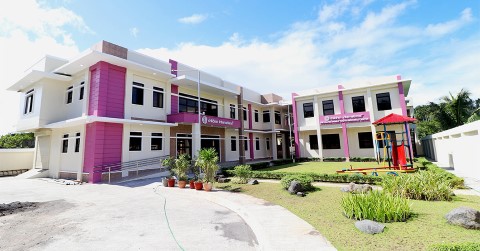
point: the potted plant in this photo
(208, 161)
(180, 168)
(170, 163)
(192, 183)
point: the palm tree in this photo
(455, 110)
(208, 161)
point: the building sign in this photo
(345, 118)
(216, 121)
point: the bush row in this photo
(337, 178)
(455, 182)
(468, 246)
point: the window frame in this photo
(308, 114)
(138, 88)
(244, 110)
(267, 143)
(362, 141)
(156, 136)
(233, 144)
(256, 116)
(277, 120)
(245, 143)
(326, 143)
(382, 106)
(232, 111)
(257, 144)
(82, 91)
(135, 135)
(160, 99)
(266, 116)
(328, 102)
(77, 142)
(65, 143)
(29, 98)
(69, 95)
(355, 104)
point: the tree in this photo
(17, 140)
(455, 110)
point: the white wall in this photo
(353, 143)
(71, 161)
(458, 148)
(394, 100)
(146, 151)
(16, 159)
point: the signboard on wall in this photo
(221, 122)
(345, 118)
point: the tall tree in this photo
(17, 140)
(455, 110)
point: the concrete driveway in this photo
(143, 215)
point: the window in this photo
(135, 141)
(233, 144)
(383, 101)
(331, 141)
(244, 113)
(278, 118)
(189, 103)
(358, 104)
(82, 91)
(245, 143)
(77, 142)
(156, 141)
(69, 94)
(65, 143)
(391, 135)
(157, 97)
(137, 93)
(257, 144)
(232, 111)
(256, 115)
(313, 142)
(28, 102)
(328, 108)
(267, 143)
(365, 140)
(308, 110)
(266, 116)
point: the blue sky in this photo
(278, 46)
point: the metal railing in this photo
(134, 165)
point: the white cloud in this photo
(134, 31)
(327, 51)
(450, 26)
(28, 31)
(193, 19)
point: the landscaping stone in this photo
(223, 180)
(356, 188)
(295, 187)
(369, 226)
(253, 182)
(464, 216)
(301, 194)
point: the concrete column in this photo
(196, 139)
(284, 146)
(316, 113)
(274, 146)
(241, 138)
(372, 119)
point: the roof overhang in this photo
(192, 83)
(33, 76)
(90, 119)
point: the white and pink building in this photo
(112, 105)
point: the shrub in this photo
(423, 185)
(260, 165)
(455, 182)
(376, 205)
(467, 246)
(242, 173)
(304, 180)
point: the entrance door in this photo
(209, 141)
(184, 144)
(279, 146)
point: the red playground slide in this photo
(398, 155)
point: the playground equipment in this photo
(394, 151)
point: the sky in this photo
(267, 46)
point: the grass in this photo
(322, 209)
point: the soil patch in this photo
(15, 207)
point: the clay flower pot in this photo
(182, 183)
(208, 186)
(198, 185)
(192, 184)
(171, 182)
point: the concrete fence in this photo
(458, 148)
(16, 159)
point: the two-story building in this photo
(114, 105)
(337, 122)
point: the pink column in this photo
(346, 150)
(403, 105)
(174, 99)
(252, 152)
(295, 126)
(250, 121)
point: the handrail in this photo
(128, 165)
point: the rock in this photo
(223, 180)
(354, 188)
(464, 216)
(301, 194)
(253, 182)
(295, 187)
(369, 227)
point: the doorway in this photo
(211, 141)
(279, 146)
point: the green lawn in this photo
(320, 167)
(323, 211)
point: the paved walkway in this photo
(133, 216)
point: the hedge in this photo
(337, 178)
(468, 246)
